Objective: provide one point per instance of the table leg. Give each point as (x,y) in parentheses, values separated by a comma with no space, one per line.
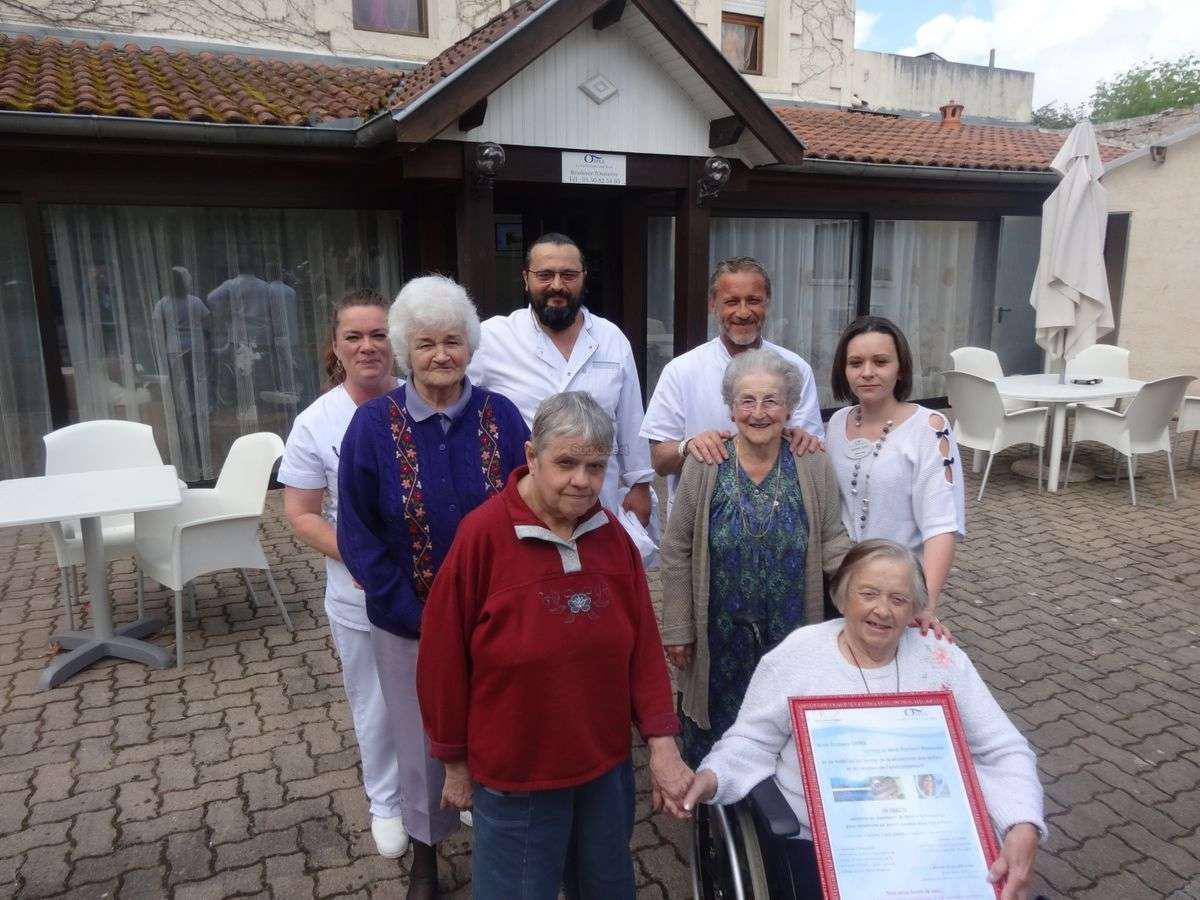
(1057,427)
(89,647)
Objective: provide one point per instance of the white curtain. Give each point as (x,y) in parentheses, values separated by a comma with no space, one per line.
(814,280)
(208,323)
(660,296)
(24,402)
(935,280)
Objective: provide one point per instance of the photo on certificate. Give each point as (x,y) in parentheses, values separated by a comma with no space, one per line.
(894,803)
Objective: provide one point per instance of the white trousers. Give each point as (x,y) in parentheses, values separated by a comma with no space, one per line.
(380,761)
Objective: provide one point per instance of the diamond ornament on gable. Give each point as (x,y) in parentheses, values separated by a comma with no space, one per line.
(598,89)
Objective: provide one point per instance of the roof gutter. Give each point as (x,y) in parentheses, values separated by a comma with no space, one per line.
(114,127)
(812,166)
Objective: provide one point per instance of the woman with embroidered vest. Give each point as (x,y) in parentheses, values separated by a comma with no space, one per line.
(360,367)
(879,589)
(896,467)
(414,462)
(540,650)
(746,549)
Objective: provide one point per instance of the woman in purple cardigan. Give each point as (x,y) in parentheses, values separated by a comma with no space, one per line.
(413,463)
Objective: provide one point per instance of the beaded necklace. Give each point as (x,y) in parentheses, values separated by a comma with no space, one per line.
(858,450)
(737,489)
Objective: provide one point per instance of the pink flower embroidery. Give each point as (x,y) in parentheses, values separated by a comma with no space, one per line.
(940,657)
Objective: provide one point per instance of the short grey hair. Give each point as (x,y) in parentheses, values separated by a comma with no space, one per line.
(736,265)
(862,553)
(573,414)
(431,301)
(763,362)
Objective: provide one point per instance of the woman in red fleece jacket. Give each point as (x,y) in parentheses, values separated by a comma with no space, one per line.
(539,649)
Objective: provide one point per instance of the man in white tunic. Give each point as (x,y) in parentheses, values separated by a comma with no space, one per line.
(686,414)
(556,344)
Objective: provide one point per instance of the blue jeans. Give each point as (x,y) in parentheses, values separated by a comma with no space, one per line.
(528,844)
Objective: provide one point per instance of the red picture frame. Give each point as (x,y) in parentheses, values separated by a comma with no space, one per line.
(812,791)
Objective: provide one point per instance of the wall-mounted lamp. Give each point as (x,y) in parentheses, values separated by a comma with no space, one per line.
(489,160)
(1158,153)
(714,177)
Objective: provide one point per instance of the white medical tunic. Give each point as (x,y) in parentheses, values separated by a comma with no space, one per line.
(516,358)
(687,399)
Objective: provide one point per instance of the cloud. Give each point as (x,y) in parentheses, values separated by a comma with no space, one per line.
(864,23)
(1068,44)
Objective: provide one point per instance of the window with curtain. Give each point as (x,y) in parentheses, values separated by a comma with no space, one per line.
(936,280)
(660,296)
(24,400)
(814,280)
(741,42)
(405,16)
(211,323)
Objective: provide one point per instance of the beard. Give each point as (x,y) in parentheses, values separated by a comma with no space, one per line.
(743,340)
(556,318)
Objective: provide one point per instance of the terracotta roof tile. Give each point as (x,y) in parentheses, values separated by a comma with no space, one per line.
(47,75)
(854,136)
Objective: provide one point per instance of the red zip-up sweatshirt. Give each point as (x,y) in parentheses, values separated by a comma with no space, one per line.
(538,653)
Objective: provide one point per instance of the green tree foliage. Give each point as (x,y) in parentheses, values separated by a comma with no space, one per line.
(1055,115)
(1147,89)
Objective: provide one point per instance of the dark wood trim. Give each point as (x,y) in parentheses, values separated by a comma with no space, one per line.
(691,264)
(609,15)
(474,116)
(431,115)
(754,22)
(725,131)
(720,75)
(542,165)
(633,280)
(866,263)
(476,231)
(48,311)
(1116,256)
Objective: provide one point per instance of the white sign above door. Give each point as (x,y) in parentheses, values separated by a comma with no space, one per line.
(593,168)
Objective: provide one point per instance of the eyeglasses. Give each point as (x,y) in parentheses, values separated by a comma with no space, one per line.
(750,404)
(547,276)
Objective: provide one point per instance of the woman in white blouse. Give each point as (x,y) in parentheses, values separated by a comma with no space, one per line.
(897,471)
(360,367)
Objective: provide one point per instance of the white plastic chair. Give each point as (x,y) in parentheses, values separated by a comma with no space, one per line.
(213,529)
(1144,426)
(91,447)
(1102,360)
(986,364)
(982,423)
(1189,420)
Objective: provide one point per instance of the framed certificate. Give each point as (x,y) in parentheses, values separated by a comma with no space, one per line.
(893,800)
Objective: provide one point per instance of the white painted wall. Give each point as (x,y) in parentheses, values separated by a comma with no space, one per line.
(1160,312)
(891,81)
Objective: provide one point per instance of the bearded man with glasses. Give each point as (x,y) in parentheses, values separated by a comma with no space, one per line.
(556,344)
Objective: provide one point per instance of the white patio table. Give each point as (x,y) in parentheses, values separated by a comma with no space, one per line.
(87,496)
(1048,390)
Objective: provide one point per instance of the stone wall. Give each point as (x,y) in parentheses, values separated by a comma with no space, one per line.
(1143,131)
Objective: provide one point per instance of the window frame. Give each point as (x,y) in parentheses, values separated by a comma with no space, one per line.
(755,22)
(422,16)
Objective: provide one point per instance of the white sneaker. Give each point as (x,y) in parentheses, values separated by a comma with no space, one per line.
(391,840)
(465,818)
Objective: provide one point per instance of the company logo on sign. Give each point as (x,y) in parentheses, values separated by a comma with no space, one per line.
(593,168)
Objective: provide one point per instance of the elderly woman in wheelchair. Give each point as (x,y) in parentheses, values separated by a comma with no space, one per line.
(879,588)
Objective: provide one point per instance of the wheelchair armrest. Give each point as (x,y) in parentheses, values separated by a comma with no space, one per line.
(772,810)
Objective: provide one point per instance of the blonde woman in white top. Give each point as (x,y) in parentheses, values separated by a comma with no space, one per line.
(897,467)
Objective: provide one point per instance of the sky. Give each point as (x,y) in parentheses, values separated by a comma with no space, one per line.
(1069,45)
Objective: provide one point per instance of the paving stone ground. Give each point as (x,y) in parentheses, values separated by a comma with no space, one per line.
(239,776)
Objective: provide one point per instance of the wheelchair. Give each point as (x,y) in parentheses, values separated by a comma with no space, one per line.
(737,850)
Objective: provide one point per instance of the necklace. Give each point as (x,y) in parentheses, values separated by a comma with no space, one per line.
(861,674)
(858,450)
(737,490)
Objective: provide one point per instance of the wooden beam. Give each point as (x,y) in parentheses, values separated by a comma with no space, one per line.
(633,280)
(49,311)
(476,240)
(473,117)
(609,15)
(691,264)
(726,131)
(435,111)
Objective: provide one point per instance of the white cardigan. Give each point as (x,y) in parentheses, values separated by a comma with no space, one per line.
(808,662)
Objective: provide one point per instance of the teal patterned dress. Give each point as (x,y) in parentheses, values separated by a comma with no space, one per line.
(751,578)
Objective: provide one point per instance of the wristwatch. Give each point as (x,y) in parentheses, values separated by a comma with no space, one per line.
(683,445)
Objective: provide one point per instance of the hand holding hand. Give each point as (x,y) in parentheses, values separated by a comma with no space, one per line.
(679,655)
(457,788)
(703,789)
(670,777)
(709,446)
(1014,865)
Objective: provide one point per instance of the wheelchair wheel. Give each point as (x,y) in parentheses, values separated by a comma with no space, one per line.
(727,862)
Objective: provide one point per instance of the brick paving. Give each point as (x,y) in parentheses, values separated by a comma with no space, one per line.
(239,776)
